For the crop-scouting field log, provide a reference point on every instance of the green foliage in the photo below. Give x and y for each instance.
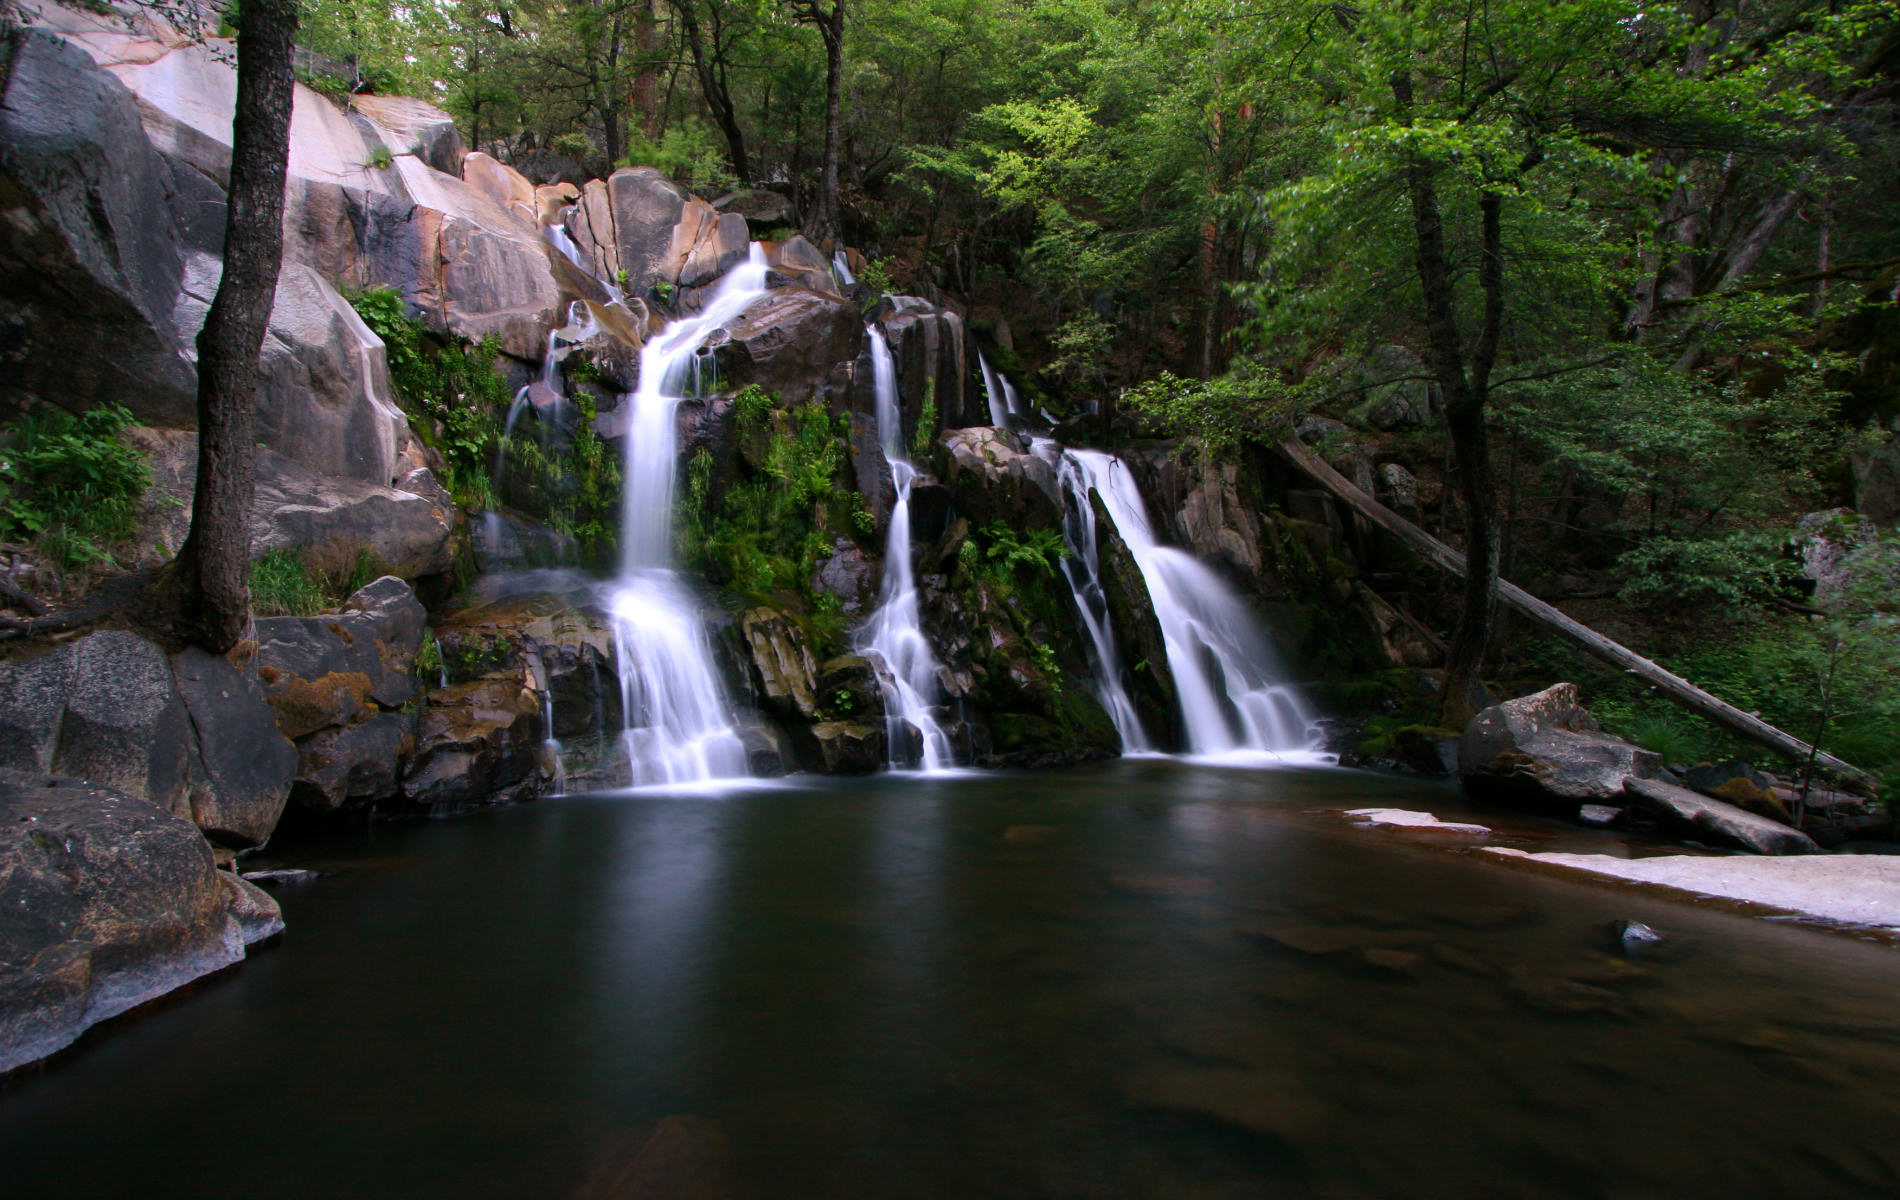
(768, 530)
(1044, 657)
(691, 154)
(1734, 570)
(71, 484)
(751, 408)
(283, 585)
(1081, 350)
(926, 435)
(286, 583)
(1247, 405)
(877, 276)
(429, 658)
(381, 158)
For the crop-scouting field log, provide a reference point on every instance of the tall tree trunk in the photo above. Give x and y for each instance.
(1465, 388)
(833, 31)
(213, 568)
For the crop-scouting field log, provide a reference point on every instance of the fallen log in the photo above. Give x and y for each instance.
(1548, 618)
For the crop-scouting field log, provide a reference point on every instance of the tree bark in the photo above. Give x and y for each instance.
(1464, 388)
(1551, 620)
(213, 568)
(833, 31)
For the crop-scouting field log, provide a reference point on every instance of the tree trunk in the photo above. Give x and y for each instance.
(709, 67)
(833, 31)
(213, 568)
(1545, 617)
(1464, 393)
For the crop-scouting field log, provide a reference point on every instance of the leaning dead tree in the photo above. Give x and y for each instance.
(1550, 619)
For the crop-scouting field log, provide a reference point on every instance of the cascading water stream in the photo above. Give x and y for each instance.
(678, 725)
(1082, 568)
(1235, 701)
(993, 392)
(894, 633)
(841, 263)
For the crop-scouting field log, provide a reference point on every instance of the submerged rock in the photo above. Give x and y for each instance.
(105, 902)
(1544, 751)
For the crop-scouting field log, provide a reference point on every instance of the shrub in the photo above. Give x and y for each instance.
(71, 484)
(283, 585)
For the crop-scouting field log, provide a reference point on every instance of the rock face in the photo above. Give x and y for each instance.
(991, 480)
(191, 736)
(91, 258)
(782, 665)
(1699, 816)
(103, 709)
(640, 222)
(1137, 632)
(105, 902)
(930, 349)
(1545, 751)
(325, 671)
(795, 343)
(242, 765)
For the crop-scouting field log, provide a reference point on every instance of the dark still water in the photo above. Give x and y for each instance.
(1143, 979)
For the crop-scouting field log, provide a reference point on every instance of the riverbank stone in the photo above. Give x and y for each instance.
(105, 903)
(1545, 752)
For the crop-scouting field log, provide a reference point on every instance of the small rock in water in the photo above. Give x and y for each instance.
(1599, 815)
(1634, 937)
(279, 876)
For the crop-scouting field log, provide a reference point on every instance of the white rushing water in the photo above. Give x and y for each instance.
(894, 633)
(993, 392)
(1235, 700)
(1082, 568)
(841, 263)
(678, 721)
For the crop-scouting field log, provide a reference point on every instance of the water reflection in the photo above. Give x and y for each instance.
(1139, 979)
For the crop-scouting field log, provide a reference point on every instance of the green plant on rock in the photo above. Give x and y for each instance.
(1038, 550)
(455, 398)
(926, 435)
(429, 658)
(284, 585)
(751, 408)
(381, 158)
(71, 484)
(1044, 657)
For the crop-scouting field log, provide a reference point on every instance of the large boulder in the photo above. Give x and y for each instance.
(655, 231)
(1704, 817)
(783, 670)
(332, 670)
(331, 522)
(1545, 751)
(241, 764)
(1209, 507)
(992, 480)
(91, 257)
(358, 764)
(323, 382)
(930, 349)
(105, 903)
(103, 709)
(762, 209)
(476, 743)
(792, 342)
(849, 747)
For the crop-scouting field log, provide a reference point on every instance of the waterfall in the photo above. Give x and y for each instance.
(841, 263)
(678, 722)
(993, 392)
(1082, 568)
(894, 633)
(1235, 700)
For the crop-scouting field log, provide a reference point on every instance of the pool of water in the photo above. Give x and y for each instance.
(1139, 979)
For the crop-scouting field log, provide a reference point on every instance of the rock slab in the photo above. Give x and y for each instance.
(1716, 820)
(105, 903)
